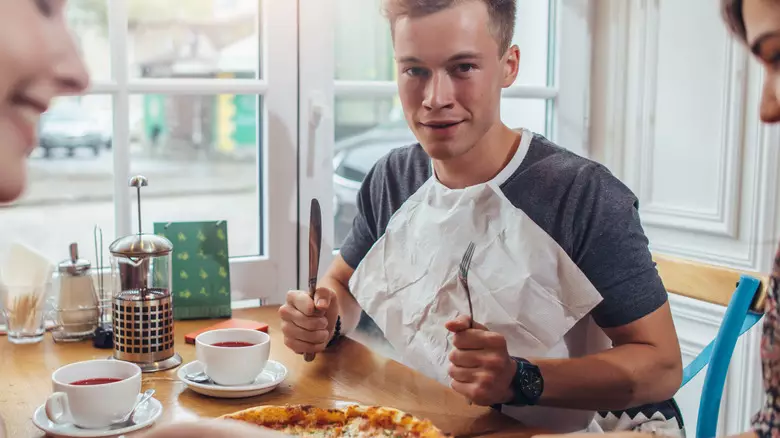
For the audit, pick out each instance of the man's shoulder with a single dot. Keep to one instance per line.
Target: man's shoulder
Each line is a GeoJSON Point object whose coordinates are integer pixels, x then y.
{"type": "Point", "coordinates": [594, 218]}
{"type": "Point", "coordinates": [553, 173]}
{"type": "Point", "coordinates": [411, 156]}
{"type": "Point", "coordinates": [545, 158]}
{"type": "Point", "coordinates": [402, 170]}
{"type": "Point", "coordinates": [567, 195]}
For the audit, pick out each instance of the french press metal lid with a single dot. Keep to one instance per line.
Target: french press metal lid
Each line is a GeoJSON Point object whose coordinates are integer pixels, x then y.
{"type": "Point", "coordinates": [138, 246]}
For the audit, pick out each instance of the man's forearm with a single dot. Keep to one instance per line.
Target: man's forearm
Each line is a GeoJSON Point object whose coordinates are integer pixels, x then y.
{"type": "Point", "coordinates": [619, 378]}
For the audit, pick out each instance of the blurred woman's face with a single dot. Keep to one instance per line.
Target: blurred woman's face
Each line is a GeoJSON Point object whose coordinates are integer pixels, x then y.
{"type": "Point", "coordinates": [38, 62]}
{"type": "Point", "coordinates": [762, 25]}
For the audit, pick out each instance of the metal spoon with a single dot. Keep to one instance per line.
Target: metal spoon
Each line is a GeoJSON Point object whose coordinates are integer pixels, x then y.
{"type": "Point", "coordinates": [199, 377]}
{"type": "Point", "coordinates": [128, 419]}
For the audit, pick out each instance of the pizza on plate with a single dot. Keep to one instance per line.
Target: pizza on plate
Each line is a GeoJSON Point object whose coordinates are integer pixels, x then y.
{"type": "Point", "coordinates": [353, 421]}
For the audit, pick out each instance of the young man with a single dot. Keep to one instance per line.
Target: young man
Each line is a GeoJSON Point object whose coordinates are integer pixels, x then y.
{"type": "Point", "coordinates": [570, 315]}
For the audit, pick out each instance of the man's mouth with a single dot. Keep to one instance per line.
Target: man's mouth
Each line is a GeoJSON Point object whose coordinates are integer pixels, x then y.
{"type": "Point", "coordinates": [441, 124]}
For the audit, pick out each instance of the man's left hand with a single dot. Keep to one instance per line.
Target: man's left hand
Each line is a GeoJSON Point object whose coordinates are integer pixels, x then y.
{"type": "Point", "coordinates": [481, 368]}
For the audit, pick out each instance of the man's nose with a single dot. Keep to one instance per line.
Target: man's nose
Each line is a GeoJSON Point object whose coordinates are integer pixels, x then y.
{"type": "Point", "coordinates": [439, 91]}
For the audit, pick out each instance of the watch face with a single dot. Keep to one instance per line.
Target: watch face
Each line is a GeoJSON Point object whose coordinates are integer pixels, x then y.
{"type": "Point", "coordinates": [531, 384]}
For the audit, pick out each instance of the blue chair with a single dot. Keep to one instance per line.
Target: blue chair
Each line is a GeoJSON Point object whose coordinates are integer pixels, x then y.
{"type": "Point", "coordinates": [743, 311]}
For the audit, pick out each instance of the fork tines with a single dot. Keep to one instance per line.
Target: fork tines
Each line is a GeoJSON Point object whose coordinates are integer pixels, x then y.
{"type": "Point", "coordinates": [463, 273]}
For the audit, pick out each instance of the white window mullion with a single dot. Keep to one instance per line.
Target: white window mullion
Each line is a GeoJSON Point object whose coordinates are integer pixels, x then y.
{"type": "Point", "coordinates": [571, 61]}
{"type": "Point", "coordinates": [117, 30]}
{"type": "Point", "coordinates": [197, 86]}
{"type": "Point", "coordinates": [317, 89]}
{"type": "Point", "coordinates": [102, 87]}
{"type": "Point", "coordinates": [268, 277]}
{"type": "Point", "coordinates": [530, 92]}
{"type": "Point", "coordinates": [365, 89]}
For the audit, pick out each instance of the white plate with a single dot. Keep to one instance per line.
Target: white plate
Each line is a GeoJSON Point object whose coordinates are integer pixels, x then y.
{"type": "Point", "coordinates": [145, 416]}
{"type": "Point", "coordinates": [273, 374]}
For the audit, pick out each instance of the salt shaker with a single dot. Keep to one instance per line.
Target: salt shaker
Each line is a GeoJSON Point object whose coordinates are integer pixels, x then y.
{"type": "Point", "coordinates": [77, 306]}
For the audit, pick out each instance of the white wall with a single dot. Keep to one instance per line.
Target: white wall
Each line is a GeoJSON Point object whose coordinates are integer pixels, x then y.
{"type": "Point", "coordinates": [674, 115]}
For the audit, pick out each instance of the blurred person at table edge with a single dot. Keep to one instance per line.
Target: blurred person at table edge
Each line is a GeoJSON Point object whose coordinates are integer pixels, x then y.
{"type": "Point", "coordinates": [40, 61]}
{"type": "Point", "coordinates": [756, 23]}
{"type": "Point", "coordinates": [572, 326]}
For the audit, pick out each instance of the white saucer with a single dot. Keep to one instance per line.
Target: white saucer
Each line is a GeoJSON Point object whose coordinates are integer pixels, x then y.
{"type": "Point", "coordinates": [273, 374]}
{"type": "Point", "coordinates": [145, 416]}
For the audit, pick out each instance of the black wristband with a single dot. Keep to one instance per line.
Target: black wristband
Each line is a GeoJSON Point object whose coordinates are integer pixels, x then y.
{"type": "Point", "coordinates": [336, 332]}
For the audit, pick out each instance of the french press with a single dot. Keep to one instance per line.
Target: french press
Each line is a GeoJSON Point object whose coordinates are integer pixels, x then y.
{"type": "Point", "coordinates": [142, 313]}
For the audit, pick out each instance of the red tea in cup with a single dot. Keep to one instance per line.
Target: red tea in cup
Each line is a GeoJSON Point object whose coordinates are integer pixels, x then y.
{"type": "Point", "coordinates": [96, 381]}
{"type": "Point", "coordinates": [232, 344]}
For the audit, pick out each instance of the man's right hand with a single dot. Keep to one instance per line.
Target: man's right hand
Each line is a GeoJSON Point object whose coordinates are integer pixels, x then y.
{"type": "Point", "coordinates": [308, 324]}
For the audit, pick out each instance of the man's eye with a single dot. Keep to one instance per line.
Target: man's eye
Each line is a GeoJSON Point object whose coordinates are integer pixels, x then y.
{"type": "Point", "coordinates": [465, 68]}
{"type": "Point", "coordinates": [415, 71]}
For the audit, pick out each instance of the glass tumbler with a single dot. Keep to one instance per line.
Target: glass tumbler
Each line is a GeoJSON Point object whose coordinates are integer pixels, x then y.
{"type": "Point", "coordinates": [25, 309]}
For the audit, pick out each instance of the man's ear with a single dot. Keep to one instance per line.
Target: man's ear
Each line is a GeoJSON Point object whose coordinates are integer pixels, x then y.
{"type": "Point", "coordinates": [511, 65]}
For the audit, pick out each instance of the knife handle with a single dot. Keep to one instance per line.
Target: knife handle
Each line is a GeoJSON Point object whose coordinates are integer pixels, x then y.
{"type": "Point", "coordinates": [308, 357]}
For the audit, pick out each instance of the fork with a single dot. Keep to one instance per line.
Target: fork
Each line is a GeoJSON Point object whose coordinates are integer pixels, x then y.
{"type": "Point", "coordinates": [463, 276]}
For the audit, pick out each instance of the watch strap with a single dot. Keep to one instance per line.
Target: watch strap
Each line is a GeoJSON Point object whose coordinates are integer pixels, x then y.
{"type": "Point", "coordinates": [336, 332]}
{"type": "Point", "coordinates": [523, 366]}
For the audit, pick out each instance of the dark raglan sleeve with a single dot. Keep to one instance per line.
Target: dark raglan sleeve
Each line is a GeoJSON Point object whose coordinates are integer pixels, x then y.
{"type": "Point", "coordinates": [611, 249]}
{"type": "Point", "coordinates": [364, 231]}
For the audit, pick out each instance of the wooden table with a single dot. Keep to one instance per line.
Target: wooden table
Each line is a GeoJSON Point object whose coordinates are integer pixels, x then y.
{"type": "Point", "coordinates": [351, 372]}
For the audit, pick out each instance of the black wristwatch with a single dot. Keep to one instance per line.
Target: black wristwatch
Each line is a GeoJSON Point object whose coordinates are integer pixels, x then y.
{"type": "Point", "coordinates": [527, 385]}
{"type": "Point", "coordinates": [336, 332]}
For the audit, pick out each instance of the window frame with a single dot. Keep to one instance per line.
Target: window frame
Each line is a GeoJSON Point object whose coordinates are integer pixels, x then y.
{"type": "Point", "coordinates": [566, 92]}
{"type": "Point", "coordinates": [268, 274]}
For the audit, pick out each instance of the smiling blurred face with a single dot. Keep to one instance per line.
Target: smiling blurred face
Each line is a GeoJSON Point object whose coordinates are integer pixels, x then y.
{"type": "Point", "coordinates": [762, 25]}
{"type": "Point", "coordinates": [39, 61]}
{"type": "Point", "coordinates": [450, 77]}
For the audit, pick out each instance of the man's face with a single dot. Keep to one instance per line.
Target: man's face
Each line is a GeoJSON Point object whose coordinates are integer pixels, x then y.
{"type": "Point", "coordinates": [450, 77]}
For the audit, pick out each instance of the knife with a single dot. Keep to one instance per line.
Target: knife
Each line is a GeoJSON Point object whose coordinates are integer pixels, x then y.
{"type": "Point", "coordinates": [315, 241]}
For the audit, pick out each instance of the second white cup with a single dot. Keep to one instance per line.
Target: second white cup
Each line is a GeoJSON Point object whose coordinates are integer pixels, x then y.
{"type": "Point", "coordinates": [233, 357]}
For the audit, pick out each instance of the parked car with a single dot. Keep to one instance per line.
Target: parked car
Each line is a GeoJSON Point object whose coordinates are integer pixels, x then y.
{"type": "Point", "coordinates": [69, 127]}
{"type": "Point", "coordinates": [353, 157]}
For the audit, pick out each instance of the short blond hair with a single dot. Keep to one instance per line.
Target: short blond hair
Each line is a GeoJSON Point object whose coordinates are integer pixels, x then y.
{"type": "Point", "coordinates": [501, 12]}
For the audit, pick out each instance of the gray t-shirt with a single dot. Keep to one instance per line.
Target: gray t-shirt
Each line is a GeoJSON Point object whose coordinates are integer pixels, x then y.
{"type": "Point", "coordinates": [579, 203]}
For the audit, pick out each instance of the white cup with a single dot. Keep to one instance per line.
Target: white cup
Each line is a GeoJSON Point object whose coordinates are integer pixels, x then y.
{"type": "Point", "coordinates": [233, 366]}
{"type": "Point", "coordinates": [93, 406]}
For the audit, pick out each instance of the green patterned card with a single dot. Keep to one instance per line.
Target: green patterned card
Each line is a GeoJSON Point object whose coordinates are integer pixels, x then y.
{"type": "Point", "coordinates": [200, 268]}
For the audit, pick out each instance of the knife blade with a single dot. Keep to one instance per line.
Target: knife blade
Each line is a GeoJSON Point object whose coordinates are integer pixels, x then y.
{"type": "Point", "coordinates": [315, 242]}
